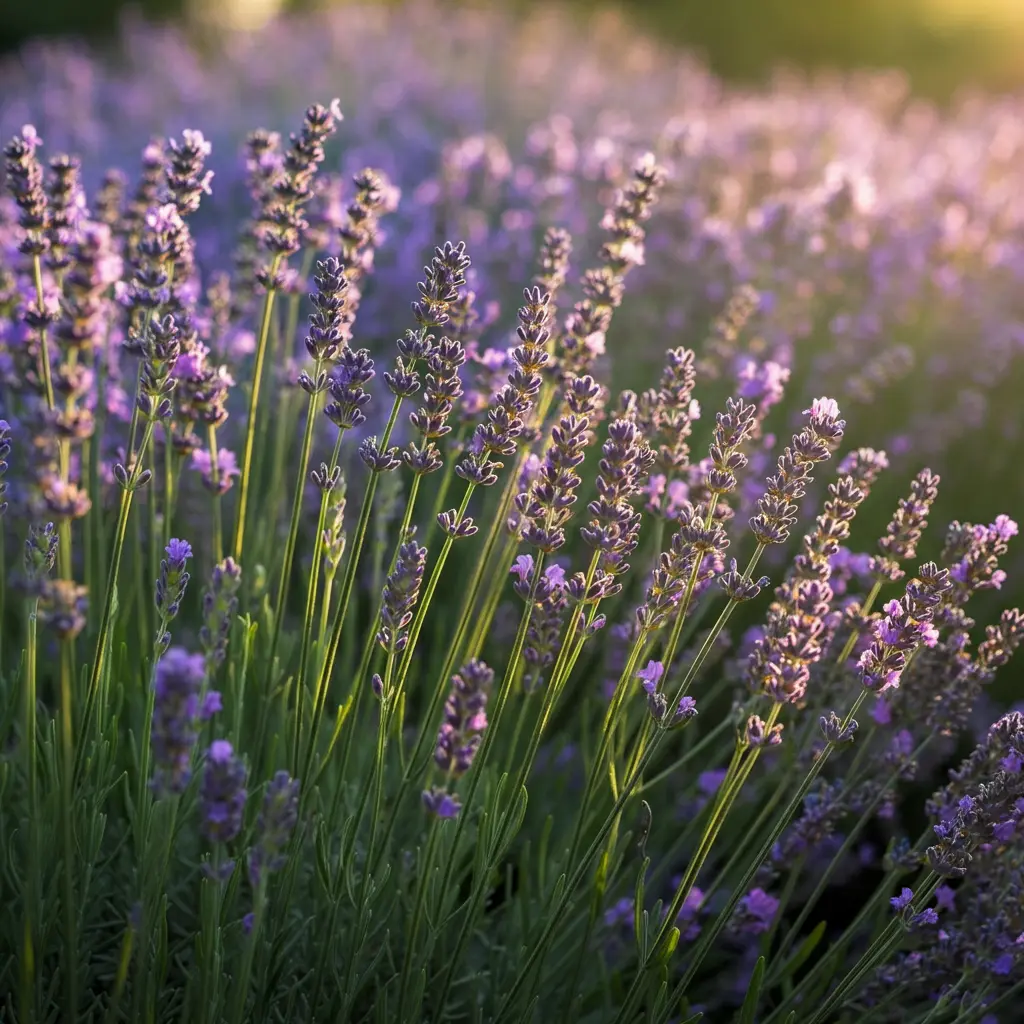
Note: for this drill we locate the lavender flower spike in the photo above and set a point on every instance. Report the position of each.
(219, 604)
(465, 718)
(401, 592)
(170, 587)
(5, 450)
(179, 677)
(275, 825)
(906, 626)
(40, 553)
(222, 793)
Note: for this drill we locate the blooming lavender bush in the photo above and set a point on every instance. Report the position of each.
(373, 652)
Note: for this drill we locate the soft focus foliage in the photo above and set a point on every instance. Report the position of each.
(372, 651)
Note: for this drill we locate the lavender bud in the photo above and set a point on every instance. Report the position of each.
(179, 677)
(219, 604)
(465, 718)
(222, 793)
(453, 526)
(738, 587)
(441, 803)
(170, 587)
(757, 736)
(904, 531)
(5, 451)
(40, 552)
(401, 592)
(377, 459)
(833, 731)
(62, 607)
(274, 826)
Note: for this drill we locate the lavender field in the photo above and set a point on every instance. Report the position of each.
(500, 525)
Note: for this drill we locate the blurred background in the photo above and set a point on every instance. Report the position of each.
(943, 45)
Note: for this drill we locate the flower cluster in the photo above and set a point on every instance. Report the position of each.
(834, 237)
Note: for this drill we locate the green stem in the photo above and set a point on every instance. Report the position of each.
(427, 729)
(370, 642)
(476, 776)
(419, 904)
(71, 965)
(377, 781)
(242, 984)
(254, 401)
(611, 718)
(556, 916)
(819, 890)
(32, 888)
(44, 344)
(352, 564)
(293, 530)
(218, 528)
(307, 621)
(876, 953)
(712, 932)
(100, 653)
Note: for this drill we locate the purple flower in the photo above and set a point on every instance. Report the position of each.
(651, 675)
(755, 912)
(170, 587)
(905, 627)
(274, 826)
(401, 592)
(219, 604)
(465, 718)
(179, 678)
(1003, 831)
(441, 803)
(227, 469)
(222, 793)
(620, 912)
(904, 899)
(945, 898)
(523, 568)
(212, 704)
(928, 916)
(1002, 965)
(709, 781)
(5, 450)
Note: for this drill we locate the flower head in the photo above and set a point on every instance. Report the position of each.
(222, 793)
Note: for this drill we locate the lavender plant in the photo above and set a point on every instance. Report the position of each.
(523, 694)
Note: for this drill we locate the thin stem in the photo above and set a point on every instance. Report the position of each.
(71, 966)
(352, 564)
(607, 730)
(44, 344)
(556, 915)
(100, 653)
(293, 525)
(419, 905)
(311, 592)
(427, 728)
(370, 642)
(712, 932)
(873, 955)
(242, 983)
(377, 781)
(812, 901)
(254, 401)
(477, 770)
(218, 528)
(32, 888)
